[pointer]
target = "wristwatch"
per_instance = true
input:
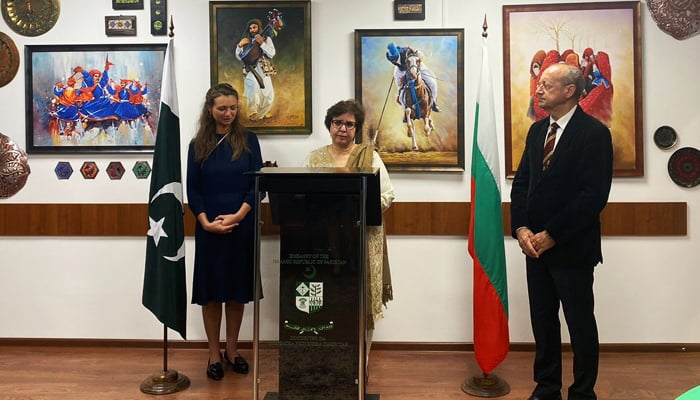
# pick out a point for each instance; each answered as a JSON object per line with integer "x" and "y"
{"x": 31, "y": 17}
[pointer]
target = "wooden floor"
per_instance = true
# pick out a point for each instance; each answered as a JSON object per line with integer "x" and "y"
{"x": 99, "y": 373}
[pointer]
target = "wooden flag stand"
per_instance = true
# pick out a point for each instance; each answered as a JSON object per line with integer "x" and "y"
{"x": 165, "y": 381}
{"x": 487, "y": 385}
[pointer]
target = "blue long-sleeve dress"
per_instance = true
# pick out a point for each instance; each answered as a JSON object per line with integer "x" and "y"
{"x": 223, "y": 263}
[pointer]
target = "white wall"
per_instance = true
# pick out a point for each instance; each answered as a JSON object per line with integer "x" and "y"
{"x": 91, "y": 287}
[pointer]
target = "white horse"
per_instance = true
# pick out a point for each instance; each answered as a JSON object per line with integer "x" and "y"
{"x": 416, "y": 99}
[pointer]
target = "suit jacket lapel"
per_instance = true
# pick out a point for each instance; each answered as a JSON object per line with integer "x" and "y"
{"x": 539, "y": 141}
{"x": 566, "y": 138}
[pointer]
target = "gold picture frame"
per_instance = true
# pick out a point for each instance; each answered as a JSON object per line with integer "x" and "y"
{"x": 291, "y": 111}
{"x": 442, "y": 149}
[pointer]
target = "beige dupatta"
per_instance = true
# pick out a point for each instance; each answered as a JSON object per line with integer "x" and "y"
{"x": 362, "y": 156}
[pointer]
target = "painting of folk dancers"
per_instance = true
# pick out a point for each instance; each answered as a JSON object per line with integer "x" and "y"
{"x": 93, "y": 98}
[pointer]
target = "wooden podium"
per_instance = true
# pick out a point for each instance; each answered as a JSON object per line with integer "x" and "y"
{"x": 321, "y": 214}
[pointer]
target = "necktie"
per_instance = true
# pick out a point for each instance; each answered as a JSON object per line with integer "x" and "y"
{"x": 549, "y": 145}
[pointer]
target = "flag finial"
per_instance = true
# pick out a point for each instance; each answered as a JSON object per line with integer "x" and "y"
{"x": 485, "y": 26}
{"x": 172, "y": 27}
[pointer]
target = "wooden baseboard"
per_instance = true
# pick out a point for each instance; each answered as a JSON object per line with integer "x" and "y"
{"x": 389, "y": 346}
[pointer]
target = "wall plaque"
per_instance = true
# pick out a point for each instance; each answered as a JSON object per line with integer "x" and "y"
{"x": 159, "y": 16}
{"x": 412, "y": 10}
{"x": 121, "y": 25}
{"x": 127, "y": 4}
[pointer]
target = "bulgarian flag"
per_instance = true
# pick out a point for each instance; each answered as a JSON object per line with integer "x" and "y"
{"x": 491, "y": 339}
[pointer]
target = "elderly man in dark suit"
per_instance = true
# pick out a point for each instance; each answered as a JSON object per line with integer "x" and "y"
{"x": 560, "y": 188}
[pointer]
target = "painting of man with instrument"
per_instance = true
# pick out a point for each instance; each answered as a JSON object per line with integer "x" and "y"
{"x": 256, "y": 50}
{"x": 264, "y": 50}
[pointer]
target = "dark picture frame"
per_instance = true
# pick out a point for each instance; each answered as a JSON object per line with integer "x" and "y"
{"x": 68, "y": 111}
{"x": 127, "y": 4}
{"x": 375, "y": 86}
{"x": 291, "y": 111}
{"x": 605, "y": 38}
{"x": 120, "y": 25}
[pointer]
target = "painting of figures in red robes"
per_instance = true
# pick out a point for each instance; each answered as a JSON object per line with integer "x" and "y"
{"x": 603, "y": 40}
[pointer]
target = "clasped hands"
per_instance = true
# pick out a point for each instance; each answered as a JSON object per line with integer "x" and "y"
{"x": 223, "y": 223}
{"x": 534, "y": 244}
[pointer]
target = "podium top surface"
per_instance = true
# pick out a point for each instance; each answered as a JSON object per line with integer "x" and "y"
{"x": 300, "y": 180}
{"x": 315, "y": 171}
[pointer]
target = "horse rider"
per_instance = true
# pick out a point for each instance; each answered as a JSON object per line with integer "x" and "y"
{"x": 397, "y": 56}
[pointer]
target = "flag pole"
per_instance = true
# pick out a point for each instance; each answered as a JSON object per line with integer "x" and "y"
{"x": 483, "y": 384}
{"x": 165, "y": 381}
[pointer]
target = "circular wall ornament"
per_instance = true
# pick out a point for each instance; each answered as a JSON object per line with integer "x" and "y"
{"x": 9, "y": 59}
{"x": 665, "y": 137}
{"x": 14, "y": 168}
{"x": 684, "y": 167}
{"x": 678, "y": 18}
{"x": 31, "y": 17}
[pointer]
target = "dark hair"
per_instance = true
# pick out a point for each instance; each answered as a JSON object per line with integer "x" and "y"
{"x": 346, "y": 106}
{"x": 205, "y": 138}
{"x": 246, "y": 30}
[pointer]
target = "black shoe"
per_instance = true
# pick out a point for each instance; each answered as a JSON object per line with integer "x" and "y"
{"x": 533, "y": 397}
{"x": 215, "y": 371}
{"x": 239, "y": 364}
{"x": 435, "y": 107}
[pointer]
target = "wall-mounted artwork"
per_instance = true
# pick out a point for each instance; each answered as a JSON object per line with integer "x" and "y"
{"x": 263, "y": 49}
{"x": 604, "y": 40}
{"x": 120, "y": 25}
{"x": 127, "y": 4}
{"x": 92, "y": 98}
{"x": 410, "y": 83}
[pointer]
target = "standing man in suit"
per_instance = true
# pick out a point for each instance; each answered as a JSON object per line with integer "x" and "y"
{"x": 556, "y": 201}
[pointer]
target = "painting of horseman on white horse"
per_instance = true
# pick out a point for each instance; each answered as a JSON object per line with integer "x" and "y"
{"x": 411, "y": 88}
{"x": 416, "y": 86}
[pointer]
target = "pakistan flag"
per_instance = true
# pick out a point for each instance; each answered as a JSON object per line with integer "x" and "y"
{"x": 164, "y": 290}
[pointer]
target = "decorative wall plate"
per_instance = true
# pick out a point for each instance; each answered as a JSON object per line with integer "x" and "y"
{"x": 31, "y": 17}
{"x": 63, "y": 170}
{"x": 9, "y": 59}
{"x": 665, "y": 137}
{"x": 115, "y": 170}
{"x": 141, "y": 169}
{"x": 89, "y": 170}
{"x": 14, "y": 168}
{"x": 678, "y": 18}
{"x": 684, "y": 167}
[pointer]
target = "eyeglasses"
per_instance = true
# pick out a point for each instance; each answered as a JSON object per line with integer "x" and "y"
{"x": 348, "y": 124}
{"x": 548, "y": 86}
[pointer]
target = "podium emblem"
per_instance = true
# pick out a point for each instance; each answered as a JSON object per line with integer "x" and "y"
{"x": 309, "y": 297}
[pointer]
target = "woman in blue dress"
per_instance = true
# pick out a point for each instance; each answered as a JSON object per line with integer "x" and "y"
{"x": 221, "y": 196}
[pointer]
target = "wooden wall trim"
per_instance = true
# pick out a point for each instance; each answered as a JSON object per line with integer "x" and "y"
{"x": 403, "y": 218}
